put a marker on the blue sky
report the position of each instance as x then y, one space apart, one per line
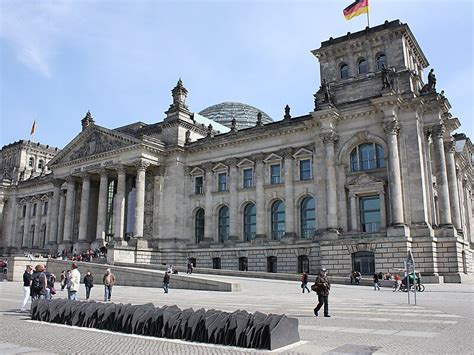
120 59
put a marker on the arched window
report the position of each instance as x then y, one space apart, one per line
344 70
250 222
199 225
31 162
363 68
308 217
367 156
278 220
380 61
40 164
223 224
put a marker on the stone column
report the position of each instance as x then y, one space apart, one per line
61 213
329 140
233 201
208 228
140 198
383 211
354 220
395 181
54 212
290 229
83 218
37 235
69 214
119 210
102 209
441 176
260 196
26 226
453 184
9 227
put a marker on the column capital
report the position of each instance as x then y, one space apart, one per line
450 146
103 172
438 130
120 169
84 176
141 165
57 183
287 153
352 194
232 162
70 179
329 137
391 127
208 167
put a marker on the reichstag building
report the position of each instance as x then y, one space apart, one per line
373 171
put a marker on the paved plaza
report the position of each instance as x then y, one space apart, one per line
363 321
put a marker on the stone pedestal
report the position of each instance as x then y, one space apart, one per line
398 231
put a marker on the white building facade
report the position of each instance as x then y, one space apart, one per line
375 170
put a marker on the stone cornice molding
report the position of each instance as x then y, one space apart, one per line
450 146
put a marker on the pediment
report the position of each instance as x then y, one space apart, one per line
302 152
94 140
196 172
272 157
245 162
365 180
220 166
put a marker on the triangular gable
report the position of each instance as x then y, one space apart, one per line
196 171
245 162
302 152
93 140
365 180
220 166
272 157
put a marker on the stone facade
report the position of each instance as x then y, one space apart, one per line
373 172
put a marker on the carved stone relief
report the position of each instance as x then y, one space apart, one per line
149 203
96 143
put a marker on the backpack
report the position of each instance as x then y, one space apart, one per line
35 282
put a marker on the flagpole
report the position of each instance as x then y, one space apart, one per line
368 18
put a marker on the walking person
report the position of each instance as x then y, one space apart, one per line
166 281
73 284
109 282
26 287
39 283
304 282
189 269
398 283
63 280
376 282
88 283
321 287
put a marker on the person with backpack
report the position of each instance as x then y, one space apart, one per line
26 287
88 283
38 283
73 284
321 287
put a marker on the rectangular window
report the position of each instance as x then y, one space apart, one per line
23 214
216 263
305 169
370 213
275 174
45 208
33 211
222 177
198 182
248 178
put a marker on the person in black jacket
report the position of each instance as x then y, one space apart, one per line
88 283
166 282
322 287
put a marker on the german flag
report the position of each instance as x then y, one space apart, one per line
357 8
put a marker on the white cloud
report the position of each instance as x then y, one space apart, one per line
32 30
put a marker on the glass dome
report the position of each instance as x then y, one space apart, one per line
245 115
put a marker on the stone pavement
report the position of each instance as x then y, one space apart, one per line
363 321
